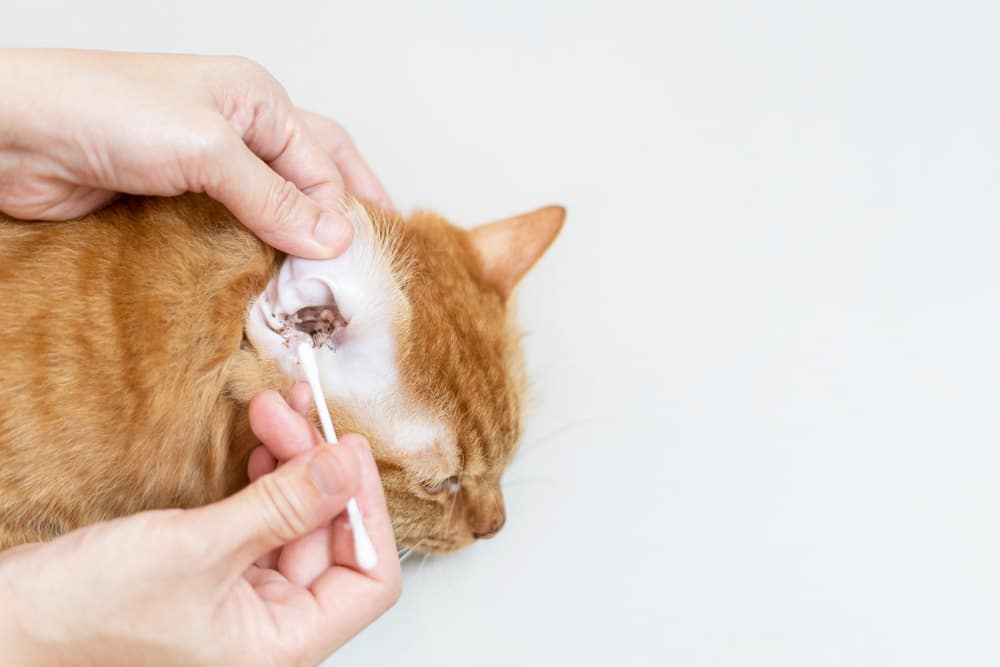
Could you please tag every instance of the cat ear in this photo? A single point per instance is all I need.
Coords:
(509, 248)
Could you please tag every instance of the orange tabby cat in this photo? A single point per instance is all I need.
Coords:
(133, 339)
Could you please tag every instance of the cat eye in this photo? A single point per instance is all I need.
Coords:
(450, 484)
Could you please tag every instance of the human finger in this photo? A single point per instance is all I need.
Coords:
(270, 205)
(282, 430)
(358, 176)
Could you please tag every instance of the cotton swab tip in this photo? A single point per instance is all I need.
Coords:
(364, 550)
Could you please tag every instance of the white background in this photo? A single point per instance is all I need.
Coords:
(765, 428)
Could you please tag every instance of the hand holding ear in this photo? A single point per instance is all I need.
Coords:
(155, 124)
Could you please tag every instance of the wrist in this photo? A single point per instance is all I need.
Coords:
(29, 90)
(32, 631)
(33, 96)
(17, 646)
(15, 131)
(12, 72)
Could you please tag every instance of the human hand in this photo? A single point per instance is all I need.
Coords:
(76, 127)
(180, 587)
(284, 435)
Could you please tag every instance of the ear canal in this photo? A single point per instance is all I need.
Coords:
(509, 248)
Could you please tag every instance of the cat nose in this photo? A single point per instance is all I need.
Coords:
(491, 531)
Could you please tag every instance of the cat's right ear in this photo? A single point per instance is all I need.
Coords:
(509, 248)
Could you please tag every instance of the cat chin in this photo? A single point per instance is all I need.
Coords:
(435, 546)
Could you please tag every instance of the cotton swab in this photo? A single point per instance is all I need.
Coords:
(364, 550)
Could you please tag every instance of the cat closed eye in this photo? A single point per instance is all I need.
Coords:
(449, 484)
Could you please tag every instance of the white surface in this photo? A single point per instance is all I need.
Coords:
(768, 336)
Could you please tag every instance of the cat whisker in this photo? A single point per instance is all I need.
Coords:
(423, 563)
(524, 480)
(406, 553)
(546, 440)
(454, 501)
(495, 499)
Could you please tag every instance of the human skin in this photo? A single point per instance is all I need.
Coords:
(264, 577)
(77, 127)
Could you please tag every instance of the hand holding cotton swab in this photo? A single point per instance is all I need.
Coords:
(364, 550)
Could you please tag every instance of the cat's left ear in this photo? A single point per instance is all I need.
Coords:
(509, 248)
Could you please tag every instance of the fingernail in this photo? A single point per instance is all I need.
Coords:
(325, 474)
(333, 231)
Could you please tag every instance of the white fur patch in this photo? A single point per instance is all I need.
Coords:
(361, 375)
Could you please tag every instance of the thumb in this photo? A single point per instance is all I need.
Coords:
(297, 498)
(273, 208)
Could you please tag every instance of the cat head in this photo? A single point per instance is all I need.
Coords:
(418, 350)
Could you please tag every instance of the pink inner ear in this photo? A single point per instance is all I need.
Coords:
(300, 298)
(298, 305)
(509, 248)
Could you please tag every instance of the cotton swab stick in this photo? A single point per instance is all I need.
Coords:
(364, 550)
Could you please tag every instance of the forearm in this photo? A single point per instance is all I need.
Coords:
(35, 101)
(10, 116)
(24, 77)
(37, 625)
(9, 97)
(17, 645)
(16, 649)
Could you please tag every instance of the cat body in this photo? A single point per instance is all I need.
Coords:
(134, 338)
